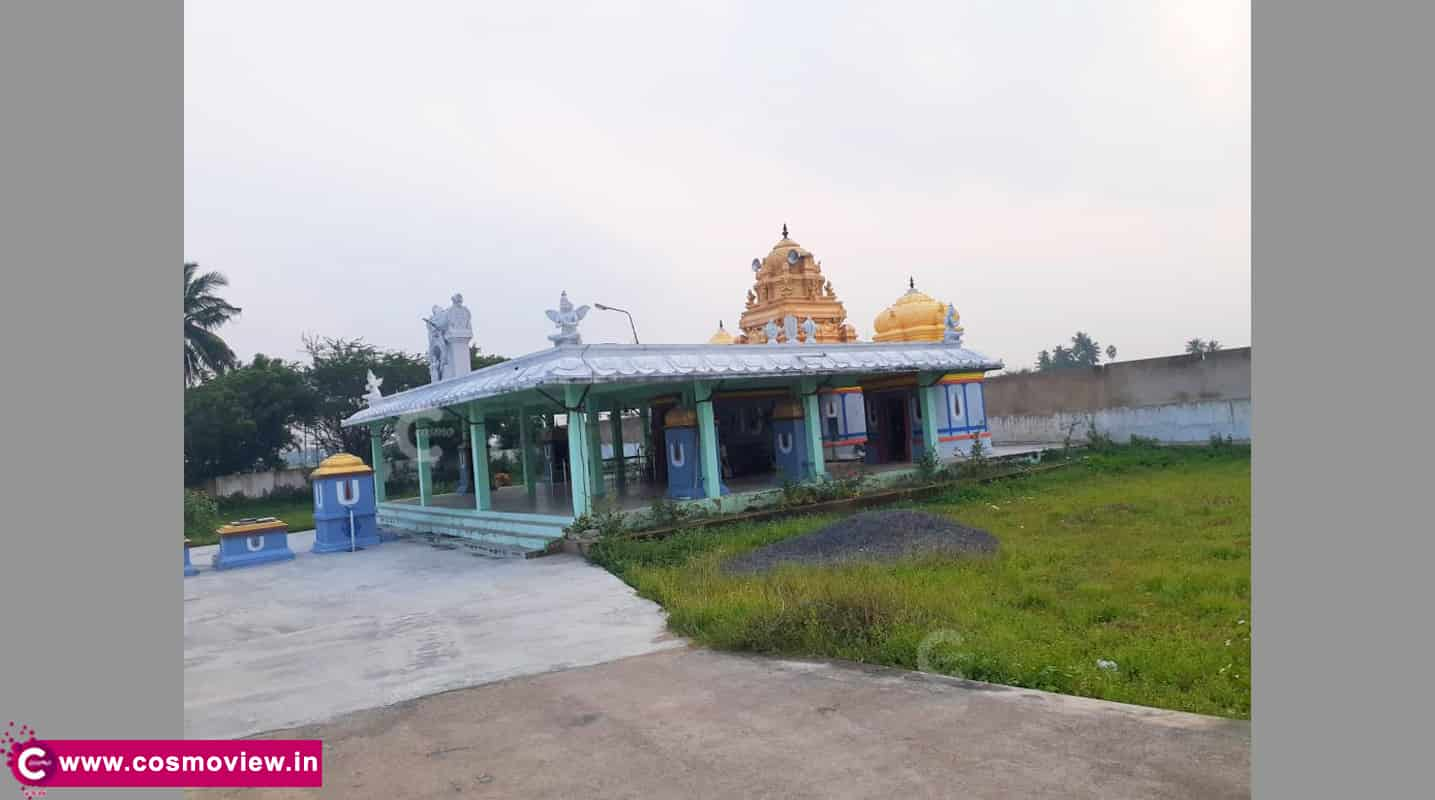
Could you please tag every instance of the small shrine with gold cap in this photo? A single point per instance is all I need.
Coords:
(345, 505)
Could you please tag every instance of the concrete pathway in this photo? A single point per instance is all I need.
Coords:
(694, 723)
(305, 641)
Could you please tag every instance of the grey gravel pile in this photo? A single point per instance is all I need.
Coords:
(871, 535)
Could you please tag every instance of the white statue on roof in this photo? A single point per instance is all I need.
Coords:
(770, 331)
(449, 332)
(437, 351)
(566, 317)
(809, 331)
(373, 383)
(458, 320)
(953, 332)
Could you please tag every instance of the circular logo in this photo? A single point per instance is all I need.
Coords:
(34, 763)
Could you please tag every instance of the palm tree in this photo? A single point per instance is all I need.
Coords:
(1195, 347)
(204, 352)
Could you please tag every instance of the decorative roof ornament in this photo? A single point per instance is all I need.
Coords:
(809, 331)
(566, 317)
(722, 336)
(784, 230)
(770, 331)
(789, 328)
(953, 332)
(373, 383)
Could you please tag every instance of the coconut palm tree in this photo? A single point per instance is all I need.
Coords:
(204, 311)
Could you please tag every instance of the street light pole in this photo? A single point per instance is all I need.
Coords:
(602, 307)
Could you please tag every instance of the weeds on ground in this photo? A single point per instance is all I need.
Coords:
(833, 488)
(929, 466)
(1098, 441)
(608, 522)
(975, 464)
(1137, 557)
(666, 513)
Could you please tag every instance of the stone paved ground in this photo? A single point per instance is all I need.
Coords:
(695, 723)
(304, 641)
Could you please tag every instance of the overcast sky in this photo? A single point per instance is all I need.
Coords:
(1047, 167)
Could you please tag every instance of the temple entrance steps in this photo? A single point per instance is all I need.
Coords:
(496, 535)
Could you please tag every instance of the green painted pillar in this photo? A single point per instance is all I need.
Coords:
(421, 437)
(525, 445)
(927, 389)
(615, 430)
(597, 486)
(579, 462)
(376, 451)
(812, 421)
(708, 440)
(478, 454)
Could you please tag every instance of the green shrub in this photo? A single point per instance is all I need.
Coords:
(929, 466)
(666, 513)
(201, 514)
(1098, 441)
(975, 465)
(608, 522)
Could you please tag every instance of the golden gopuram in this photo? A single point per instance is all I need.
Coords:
(789, 282)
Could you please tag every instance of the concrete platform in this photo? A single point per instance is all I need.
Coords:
(306, 640)
(695, 724)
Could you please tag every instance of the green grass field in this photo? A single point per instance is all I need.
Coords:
(1137, 555)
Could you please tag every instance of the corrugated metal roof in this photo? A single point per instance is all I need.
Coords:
(637, 364)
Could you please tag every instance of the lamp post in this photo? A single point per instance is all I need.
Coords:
(602, 307)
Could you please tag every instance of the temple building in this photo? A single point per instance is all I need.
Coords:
(725, 423)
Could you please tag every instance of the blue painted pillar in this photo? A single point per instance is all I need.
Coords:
(790, 441)
(579, 462)
(478, 447)
(680, 431)
(812, 419)
(927, 389)
(421, 438)
(708, 440)
(376, 455)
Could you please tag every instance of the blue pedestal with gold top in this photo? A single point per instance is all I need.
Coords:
(345, 506)
(189, 568)
(247, 542)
